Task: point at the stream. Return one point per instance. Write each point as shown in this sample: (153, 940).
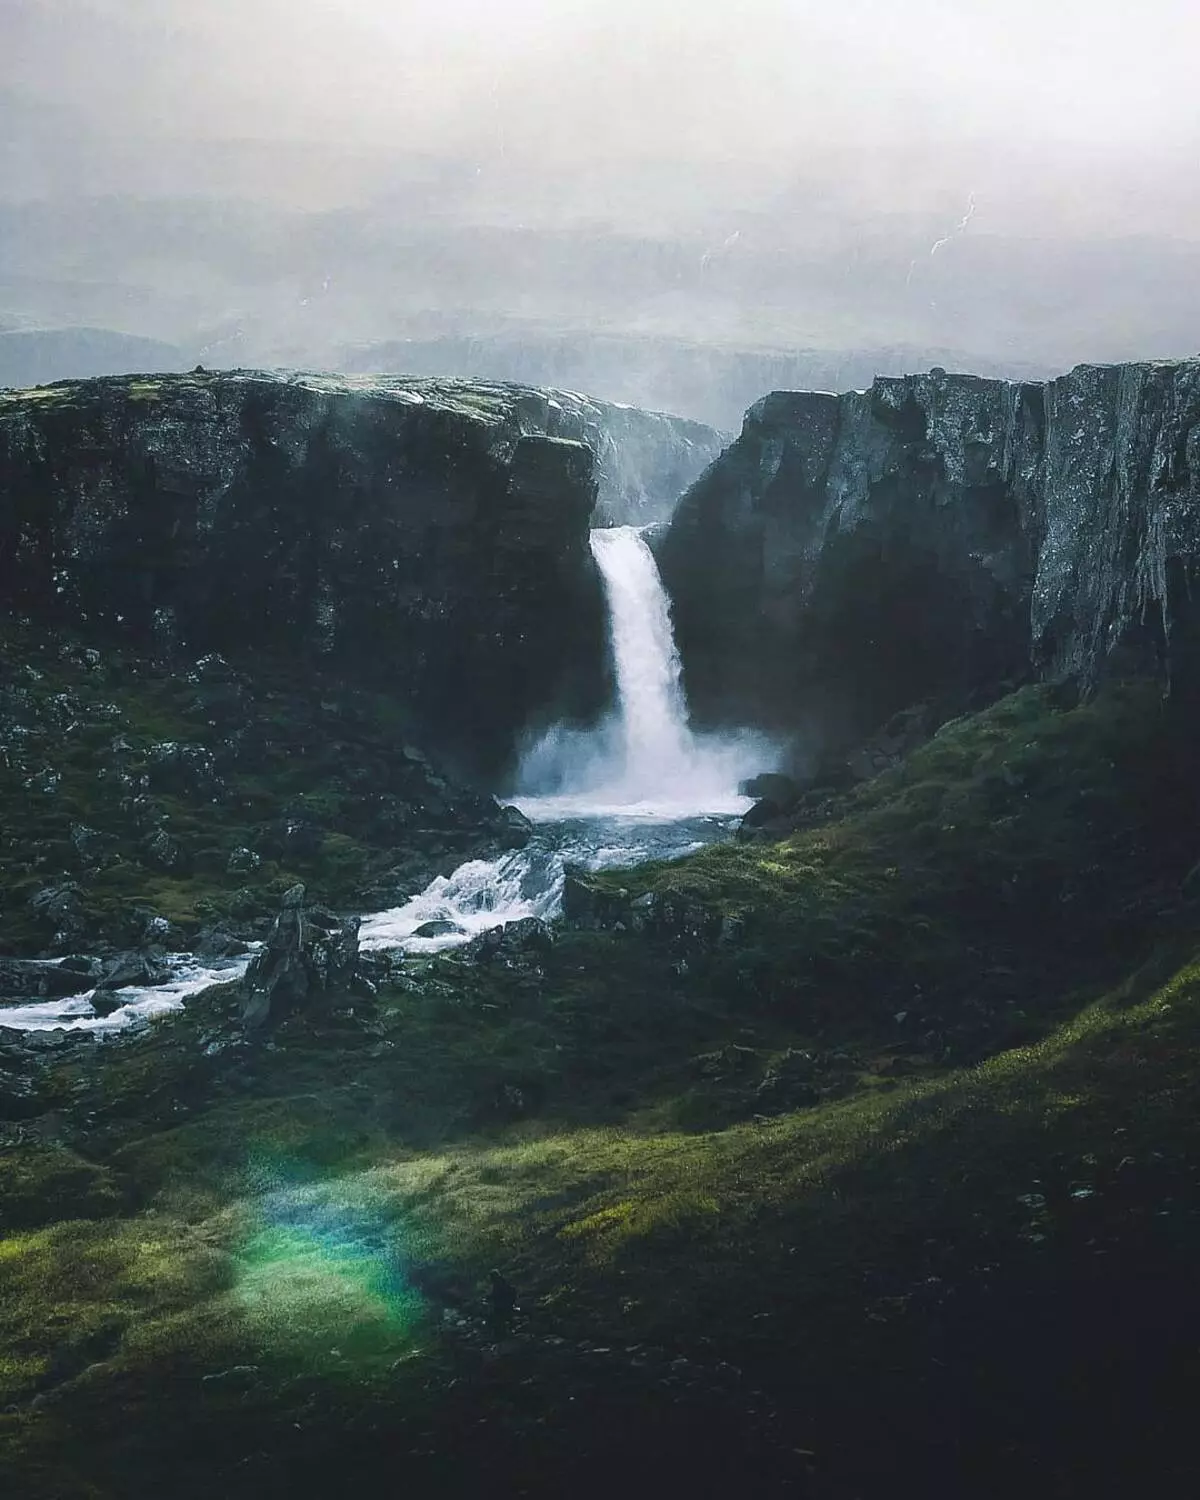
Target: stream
(641, 786)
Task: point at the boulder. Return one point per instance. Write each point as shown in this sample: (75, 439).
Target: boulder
(515, 944)
(132, 971)
(437, 929)
(39, 979)
(162, 851)
(309, 958)
(778, 788)
(61, 906)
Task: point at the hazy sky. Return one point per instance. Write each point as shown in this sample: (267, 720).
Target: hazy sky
(784, 172)
(751, 79)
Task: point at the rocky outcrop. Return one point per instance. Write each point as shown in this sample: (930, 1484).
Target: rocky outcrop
(644, 459)
(426, 537)
(931, 538)
(310, 958)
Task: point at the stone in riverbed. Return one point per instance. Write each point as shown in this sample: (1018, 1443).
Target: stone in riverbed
(438, 929)
(37, 979)
(132, 971)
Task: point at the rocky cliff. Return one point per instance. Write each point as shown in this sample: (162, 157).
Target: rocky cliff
(644, 459)
(428, 538)
(937, 535)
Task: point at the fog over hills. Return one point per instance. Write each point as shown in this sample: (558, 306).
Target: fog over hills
(676, 213)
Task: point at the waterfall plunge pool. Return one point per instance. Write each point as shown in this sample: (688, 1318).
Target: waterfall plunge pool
(641, 786)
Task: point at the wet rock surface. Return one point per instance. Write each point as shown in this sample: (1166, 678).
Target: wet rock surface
(934, 539)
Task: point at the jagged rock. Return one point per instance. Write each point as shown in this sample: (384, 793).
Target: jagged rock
(937, 538)
(513, 829)
(243, 862)
(215, 943)
(779, 789)
(590, 905)
(62, 906)
(159, 931)
(514, 943)
(309, 956)
(130, 970)
(162, 851)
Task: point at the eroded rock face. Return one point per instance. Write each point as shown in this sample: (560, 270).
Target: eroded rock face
(852, 554)
(935, 536)
(425, 537)
(1120, 522)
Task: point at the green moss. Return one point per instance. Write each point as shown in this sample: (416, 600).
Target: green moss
(41, 1184)
(983, 866)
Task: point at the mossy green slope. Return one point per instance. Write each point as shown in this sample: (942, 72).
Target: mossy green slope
(950, 1259)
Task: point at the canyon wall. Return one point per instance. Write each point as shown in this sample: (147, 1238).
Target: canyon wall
(934, 537)
(429, 538)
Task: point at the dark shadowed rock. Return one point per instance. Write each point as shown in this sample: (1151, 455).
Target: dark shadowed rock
(437, 929)
(935, 538)
(30, 979)
(310, 956)
(132, 970)
(215, 943)
(515, 945)
(61, 908)
(780, 789)
(404, 534)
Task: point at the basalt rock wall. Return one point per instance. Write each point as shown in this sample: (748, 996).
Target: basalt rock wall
(429, 538)
(935, 537)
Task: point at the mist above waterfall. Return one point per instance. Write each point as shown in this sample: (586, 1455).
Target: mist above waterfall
(644, 758)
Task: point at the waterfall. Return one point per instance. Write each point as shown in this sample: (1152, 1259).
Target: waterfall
(644, 759)
(654, 743)
(640, 786)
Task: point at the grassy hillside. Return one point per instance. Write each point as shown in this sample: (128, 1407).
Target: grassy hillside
(857, 1165)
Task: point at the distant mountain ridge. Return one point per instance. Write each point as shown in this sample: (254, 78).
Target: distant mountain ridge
(39, 356)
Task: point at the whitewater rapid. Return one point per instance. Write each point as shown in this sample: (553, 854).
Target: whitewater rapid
(639, 786)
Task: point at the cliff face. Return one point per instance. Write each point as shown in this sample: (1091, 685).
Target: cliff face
(1120, 522)
(934, 536)
(428, 538)
(644, 459)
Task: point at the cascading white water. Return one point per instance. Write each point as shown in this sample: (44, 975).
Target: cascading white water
(640, 786)
(645, 760)
(654, 742)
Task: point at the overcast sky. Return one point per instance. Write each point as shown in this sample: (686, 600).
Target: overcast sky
(776, 84)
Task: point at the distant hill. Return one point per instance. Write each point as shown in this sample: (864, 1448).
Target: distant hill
(38, 356)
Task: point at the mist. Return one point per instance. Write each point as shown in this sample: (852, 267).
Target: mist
(677, 205)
